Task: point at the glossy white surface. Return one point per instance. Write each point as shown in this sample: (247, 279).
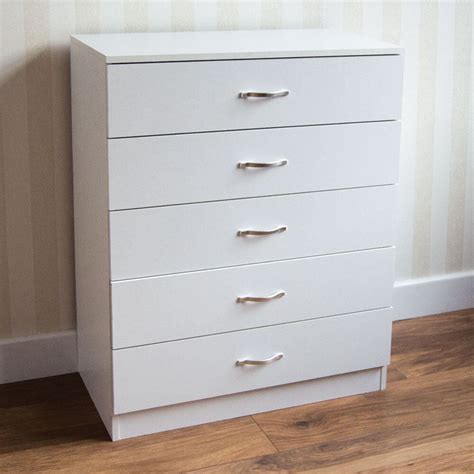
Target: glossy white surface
(153, 171)
(162, 98)
(193, 369)
(194, 304)
(186, 46)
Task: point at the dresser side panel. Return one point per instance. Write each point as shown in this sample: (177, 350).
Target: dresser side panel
(91, 226)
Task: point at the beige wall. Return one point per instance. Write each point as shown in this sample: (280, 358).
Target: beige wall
(36, 233)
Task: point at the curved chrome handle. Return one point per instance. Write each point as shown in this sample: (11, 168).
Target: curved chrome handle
(243, 233)
(260, 299)
(271, 359)
(263, 95)
(268, 164)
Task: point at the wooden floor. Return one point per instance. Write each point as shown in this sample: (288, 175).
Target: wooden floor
(423, 422)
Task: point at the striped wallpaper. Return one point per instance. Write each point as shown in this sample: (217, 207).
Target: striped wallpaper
(36, 225)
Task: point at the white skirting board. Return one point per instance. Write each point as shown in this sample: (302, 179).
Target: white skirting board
(46, 355)
(34, 357)
(433, 295)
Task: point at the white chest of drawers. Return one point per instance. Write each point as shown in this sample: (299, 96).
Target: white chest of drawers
(234, 254)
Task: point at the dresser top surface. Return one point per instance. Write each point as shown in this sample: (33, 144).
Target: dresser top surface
(244, 44)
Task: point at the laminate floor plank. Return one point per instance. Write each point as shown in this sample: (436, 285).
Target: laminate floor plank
(446, 455)
(341, 431)
(29, 418)
(433, 401)
(395, 375)
(453, 454)
(435, 343)
(423, 422)
(172, 451)
(48, 390)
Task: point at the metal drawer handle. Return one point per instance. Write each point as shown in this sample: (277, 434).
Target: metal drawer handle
(260, 299)
(268, 164)
(271, 359)
(263, 95)
(243, 233)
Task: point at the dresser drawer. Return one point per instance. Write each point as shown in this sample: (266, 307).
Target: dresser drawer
(158, 309)
(173, 239)
(162, 98)
(153, 171)
(204, 367)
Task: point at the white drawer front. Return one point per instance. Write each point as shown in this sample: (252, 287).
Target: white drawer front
(153, 171)
(171, 307)
(172, 239)
(162, 98)
(194, 369)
